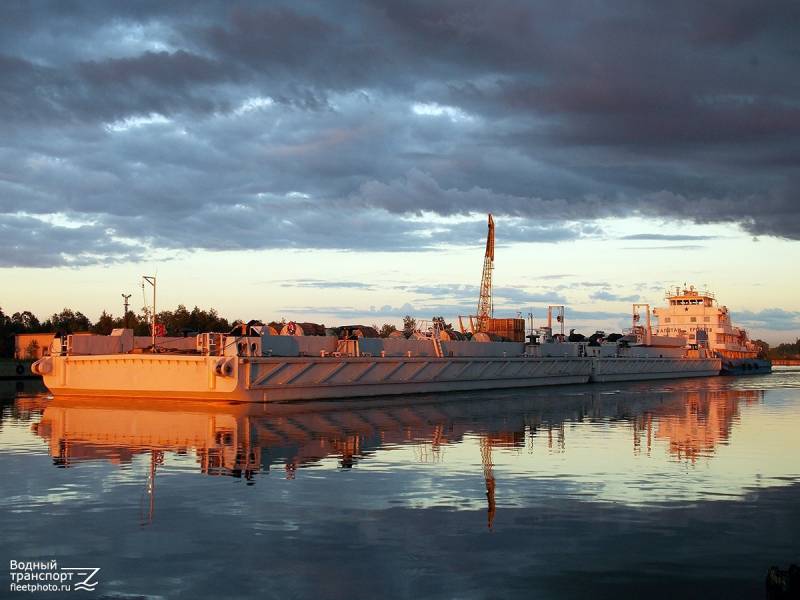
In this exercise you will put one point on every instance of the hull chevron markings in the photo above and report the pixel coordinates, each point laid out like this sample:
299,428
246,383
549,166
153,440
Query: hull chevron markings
268,374
464,367
393,371
418,371
365,371
483,367
303,370
442,368
330,375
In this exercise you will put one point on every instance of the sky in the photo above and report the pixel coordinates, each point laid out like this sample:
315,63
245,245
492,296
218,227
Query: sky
335,161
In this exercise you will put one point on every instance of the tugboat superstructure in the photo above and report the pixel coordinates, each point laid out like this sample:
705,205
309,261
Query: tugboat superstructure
697,316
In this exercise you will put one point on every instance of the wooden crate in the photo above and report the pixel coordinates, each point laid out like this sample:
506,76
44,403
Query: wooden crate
511,329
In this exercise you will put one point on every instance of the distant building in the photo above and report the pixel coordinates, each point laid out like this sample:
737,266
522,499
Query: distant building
32,346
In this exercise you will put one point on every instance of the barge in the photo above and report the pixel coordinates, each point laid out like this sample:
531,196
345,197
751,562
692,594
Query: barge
261,367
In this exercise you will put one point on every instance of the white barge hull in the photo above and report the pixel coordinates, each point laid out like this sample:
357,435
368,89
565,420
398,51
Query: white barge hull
281,379
271,379
640,369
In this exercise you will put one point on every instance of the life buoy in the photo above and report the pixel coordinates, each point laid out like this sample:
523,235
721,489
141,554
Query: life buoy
291,327
20,369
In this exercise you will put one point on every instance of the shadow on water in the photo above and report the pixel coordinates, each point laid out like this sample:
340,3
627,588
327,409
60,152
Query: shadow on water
619,490
11,388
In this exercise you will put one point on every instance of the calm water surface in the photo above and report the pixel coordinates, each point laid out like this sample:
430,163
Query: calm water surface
669,489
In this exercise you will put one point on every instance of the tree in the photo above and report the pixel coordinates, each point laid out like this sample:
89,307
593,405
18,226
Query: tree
786,350
25,321
6,341
32,351
69,321
409,324
104,324
386,330
181,321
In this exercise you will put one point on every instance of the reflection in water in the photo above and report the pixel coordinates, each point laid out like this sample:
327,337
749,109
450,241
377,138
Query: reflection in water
243,440
673,489
704,422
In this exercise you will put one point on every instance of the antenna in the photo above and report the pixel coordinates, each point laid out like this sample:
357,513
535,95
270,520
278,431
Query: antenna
125,298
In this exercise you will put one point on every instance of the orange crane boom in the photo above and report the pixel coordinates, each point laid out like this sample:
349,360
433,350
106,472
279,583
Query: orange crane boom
485,308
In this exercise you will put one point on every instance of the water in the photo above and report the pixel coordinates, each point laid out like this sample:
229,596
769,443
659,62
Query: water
665,489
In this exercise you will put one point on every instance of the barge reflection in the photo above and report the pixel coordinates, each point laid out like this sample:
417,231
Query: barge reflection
244,440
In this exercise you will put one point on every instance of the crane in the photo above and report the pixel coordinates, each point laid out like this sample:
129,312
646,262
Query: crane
488,476
485,308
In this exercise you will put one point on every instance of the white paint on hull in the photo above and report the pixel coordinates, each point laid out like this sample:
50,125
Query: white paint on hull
356,391
640,369
308,378
283,379
651,376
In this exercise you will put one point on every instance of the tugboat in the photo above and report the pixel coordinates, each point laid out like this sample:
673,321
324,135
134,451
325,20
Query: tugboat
698,316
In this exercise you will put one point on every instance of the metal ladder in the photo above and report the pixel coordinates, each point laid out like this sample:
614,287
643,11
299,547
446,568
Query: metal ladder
437,346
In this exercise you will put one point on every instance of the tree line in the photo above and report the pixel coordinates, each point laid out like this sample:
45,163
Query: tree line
180,321
177,322
787,350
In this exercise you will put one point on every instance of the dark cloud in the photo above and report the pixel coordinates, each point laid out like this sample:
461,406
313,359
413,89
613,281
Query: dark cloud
29,242
163,69
345,125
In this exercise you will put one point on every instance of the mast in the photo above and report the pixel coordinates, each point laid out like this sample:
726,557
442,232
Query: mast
125,298
485,308
151,279
648,328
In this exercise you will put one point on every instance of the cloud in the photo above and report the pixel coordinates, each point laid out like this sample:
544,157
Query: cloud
504,297
322,284
29,242
448,299
666,237
775,319
345,313
605,295
343,126
675,247
593,315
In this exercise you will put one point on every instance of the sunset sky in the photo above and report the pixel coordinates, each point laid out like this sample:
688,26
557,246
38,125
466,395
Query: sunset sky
335,161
